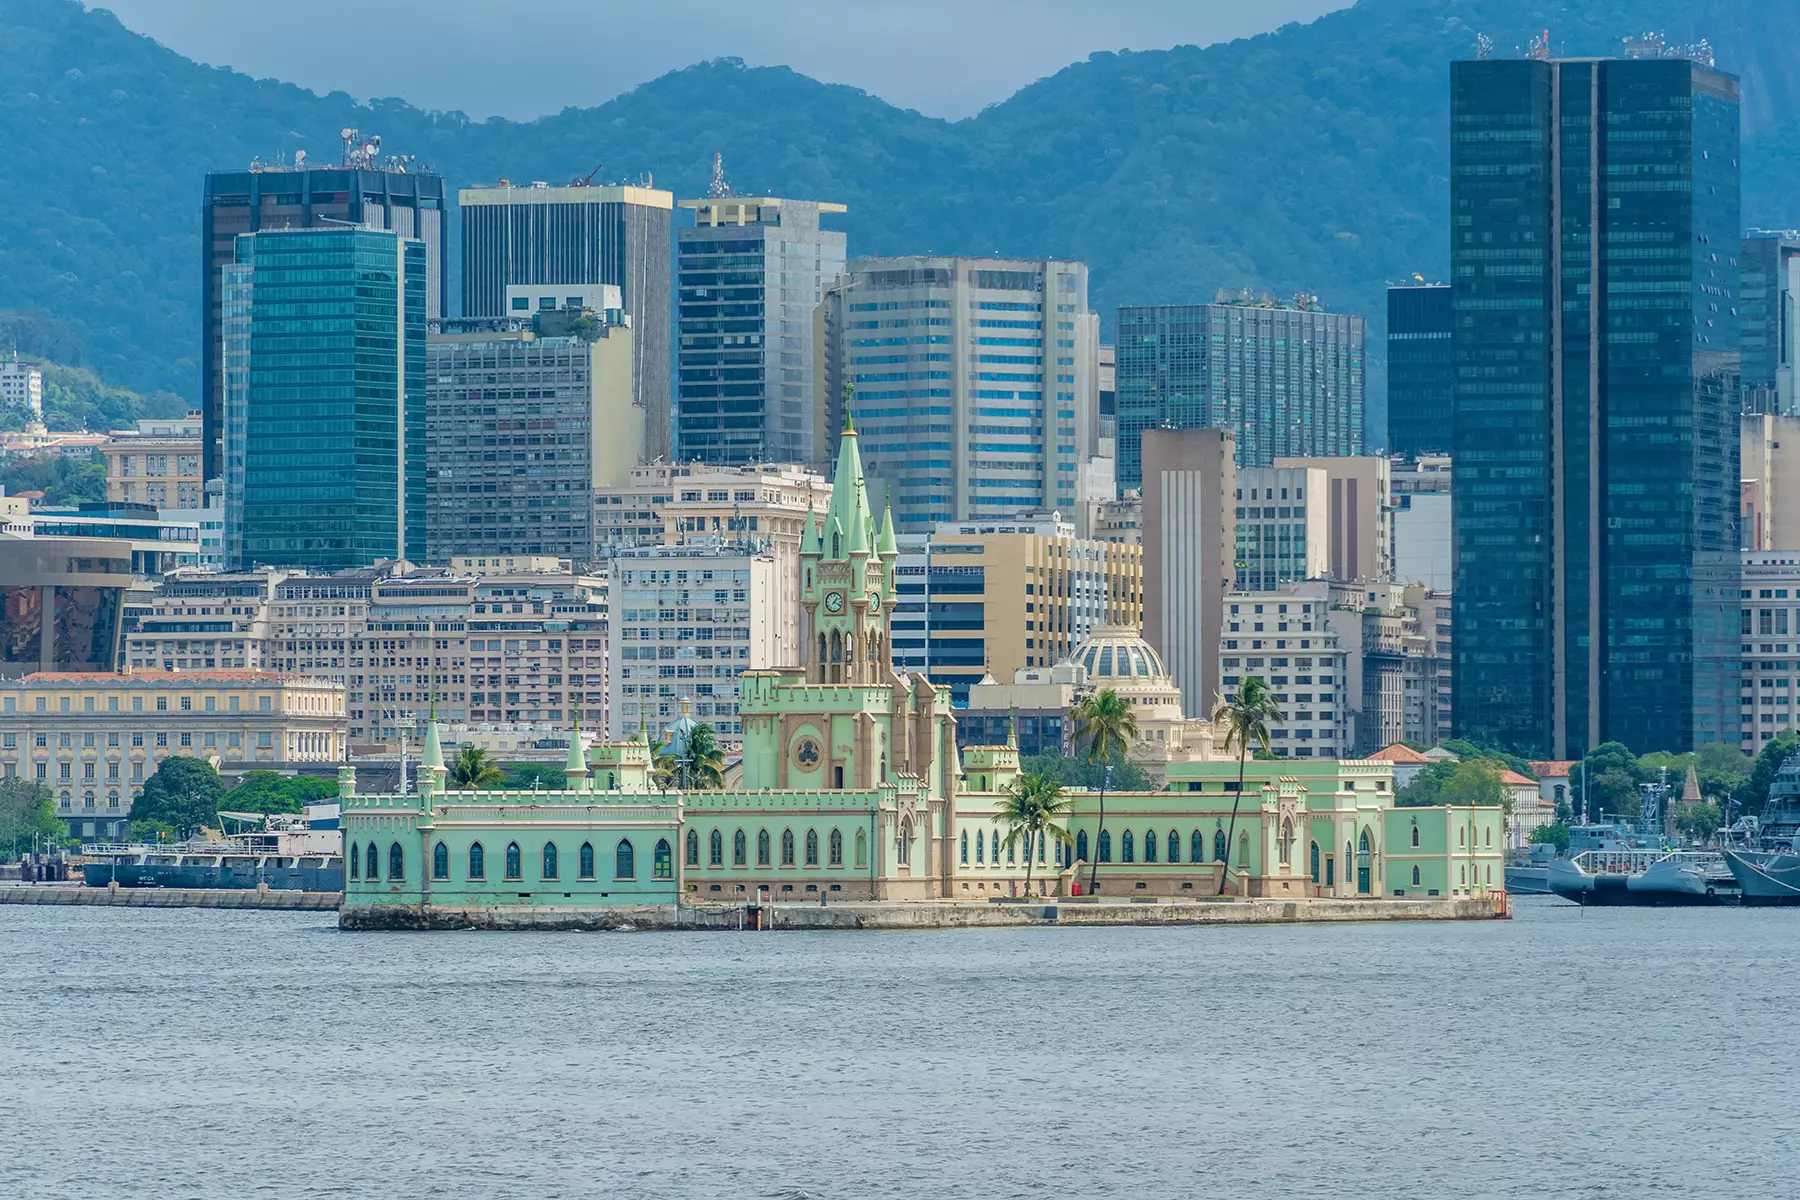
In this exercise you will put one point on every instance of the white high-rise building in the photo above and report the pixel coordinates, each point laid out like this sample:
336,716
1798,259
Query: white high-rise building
977,386
22,386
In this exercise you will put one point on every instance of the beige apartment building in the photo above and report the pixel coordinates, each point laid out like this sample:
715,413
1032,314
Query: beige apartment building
1005,595
1358,513
94,737
476,645
158,463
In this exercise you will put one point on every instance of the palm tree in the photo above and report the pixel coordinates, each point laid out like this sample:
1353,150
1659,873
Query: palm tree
472,769
1029,811
1106,725
702,764
1246,718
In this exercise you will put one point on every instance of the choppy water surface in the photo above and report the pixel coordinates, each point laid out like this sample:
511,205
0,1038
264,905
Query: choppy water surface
1625,1053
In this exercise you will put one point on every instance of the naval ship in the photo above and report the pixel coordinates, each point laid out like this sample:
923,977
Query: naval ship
285,853
1767,864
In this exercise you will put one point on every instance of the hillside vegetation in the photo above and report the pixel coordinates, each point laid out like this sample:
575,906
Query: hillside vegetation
1312,158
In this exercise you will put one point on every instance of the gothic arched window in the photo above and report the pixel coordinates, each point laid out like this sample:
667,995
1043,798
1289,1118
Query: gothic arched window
738,849
515,862
625,860
477,862
812,847
586,863
835,849
693,847
1150,845
1174,846
1081,846
762,847
440,861
787,847
1106,845
356,857
715,849
1126,847
396,862
662,860
551,866
965,854
1197,847
1218,845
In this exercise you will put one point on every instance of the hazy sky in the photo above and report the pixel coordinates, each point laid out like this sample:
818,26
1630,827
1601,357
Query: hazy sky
525,58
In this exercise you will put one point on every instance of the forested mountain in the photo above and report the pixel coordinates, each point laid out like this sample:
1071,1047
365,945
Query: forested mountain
1312,158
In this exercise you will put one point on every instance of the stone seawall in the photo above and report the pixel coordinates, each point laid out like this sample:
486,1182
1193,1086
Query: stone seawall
947,914
118,897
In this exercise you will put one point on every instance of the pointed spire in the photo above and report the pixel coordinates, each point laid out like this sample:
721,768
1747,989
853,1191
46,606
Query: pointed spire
887,544
433,754
1690,790
1012,733
849,515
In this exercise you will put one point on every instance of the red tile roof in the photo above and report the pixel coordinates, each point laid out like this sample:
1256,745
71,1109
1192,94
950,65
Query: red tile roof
1398,753
1557,768
1514,779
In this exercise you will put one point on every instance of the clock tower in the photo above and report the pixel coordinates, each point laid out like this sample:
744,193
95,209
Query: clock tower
847,580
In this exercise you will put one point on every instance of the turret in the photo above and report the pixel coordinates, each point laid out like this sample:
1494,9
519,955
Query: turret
431,762
576,770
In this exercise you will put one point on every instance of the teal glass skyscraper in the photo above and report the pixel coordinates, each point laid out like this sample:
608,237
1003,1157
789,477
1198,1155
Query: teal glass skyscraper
1594,260
324,364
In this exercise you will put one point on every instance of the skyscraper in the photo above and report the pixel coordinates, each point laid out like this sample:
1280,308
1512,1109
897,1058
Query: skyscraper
364,190
324,332
1594,252
1190,527
580,234
1771,326
752,272
1421,369
977,386
524,419
1286,378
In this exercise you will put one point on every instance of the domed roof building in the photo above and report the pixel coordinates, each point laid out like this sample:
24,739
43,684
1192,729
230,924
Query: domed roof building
1115,657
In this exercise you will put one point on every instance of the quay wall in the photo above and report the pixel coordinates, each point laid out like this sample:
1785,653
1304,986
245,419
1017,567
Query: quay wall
940,914
118,897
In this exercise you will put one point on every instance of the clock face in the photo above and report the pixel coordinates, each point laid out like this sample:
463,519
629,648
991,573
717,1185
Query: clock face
834,602
874,601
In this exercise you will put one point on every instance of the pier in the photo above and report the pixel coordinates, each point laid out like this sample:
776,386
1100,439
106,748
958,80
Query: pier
935,914
118,897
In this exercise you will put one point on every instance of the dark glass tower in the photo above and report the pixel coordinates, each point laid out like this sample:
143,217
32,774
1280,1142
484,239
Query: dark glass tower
1421,370
1594,253
751,272
325,387
407,202
1287,379
582,235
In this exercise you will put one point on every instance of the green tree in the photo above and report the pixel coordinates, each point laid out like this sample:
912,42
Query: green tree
529,777
1427,787
1246,718
1554,835
1476,781
702,761
1030,810
1488,749
1698,821
1073,772
182,796
473,770
273,792
1612,793
1723,771
27,819
1775,751
1105,724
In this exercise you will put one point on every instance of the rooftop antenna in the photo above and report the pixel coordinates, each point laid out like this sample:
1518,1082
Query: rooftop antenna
720,187
1484,46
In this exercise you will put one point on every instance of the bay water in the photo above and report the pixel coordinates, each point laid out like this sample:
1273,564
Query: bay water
1565,1053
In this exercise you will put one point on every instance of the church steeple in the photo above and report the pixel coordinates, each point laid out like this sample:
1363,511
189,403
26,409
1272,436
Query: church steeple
848,579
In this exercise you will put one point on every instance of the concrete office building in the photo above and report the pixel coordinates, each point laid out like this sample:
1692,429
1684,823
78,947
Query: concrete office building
1769,649
976,386
686,622
1284,638
1769,482
545,239
520,642
1769,262
364,190
61,602
1005,595
158,463
752,271
1283,527
521,427
1421,370
1286,378
324,441
1189,532
1597,492
1421,531
1358,513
